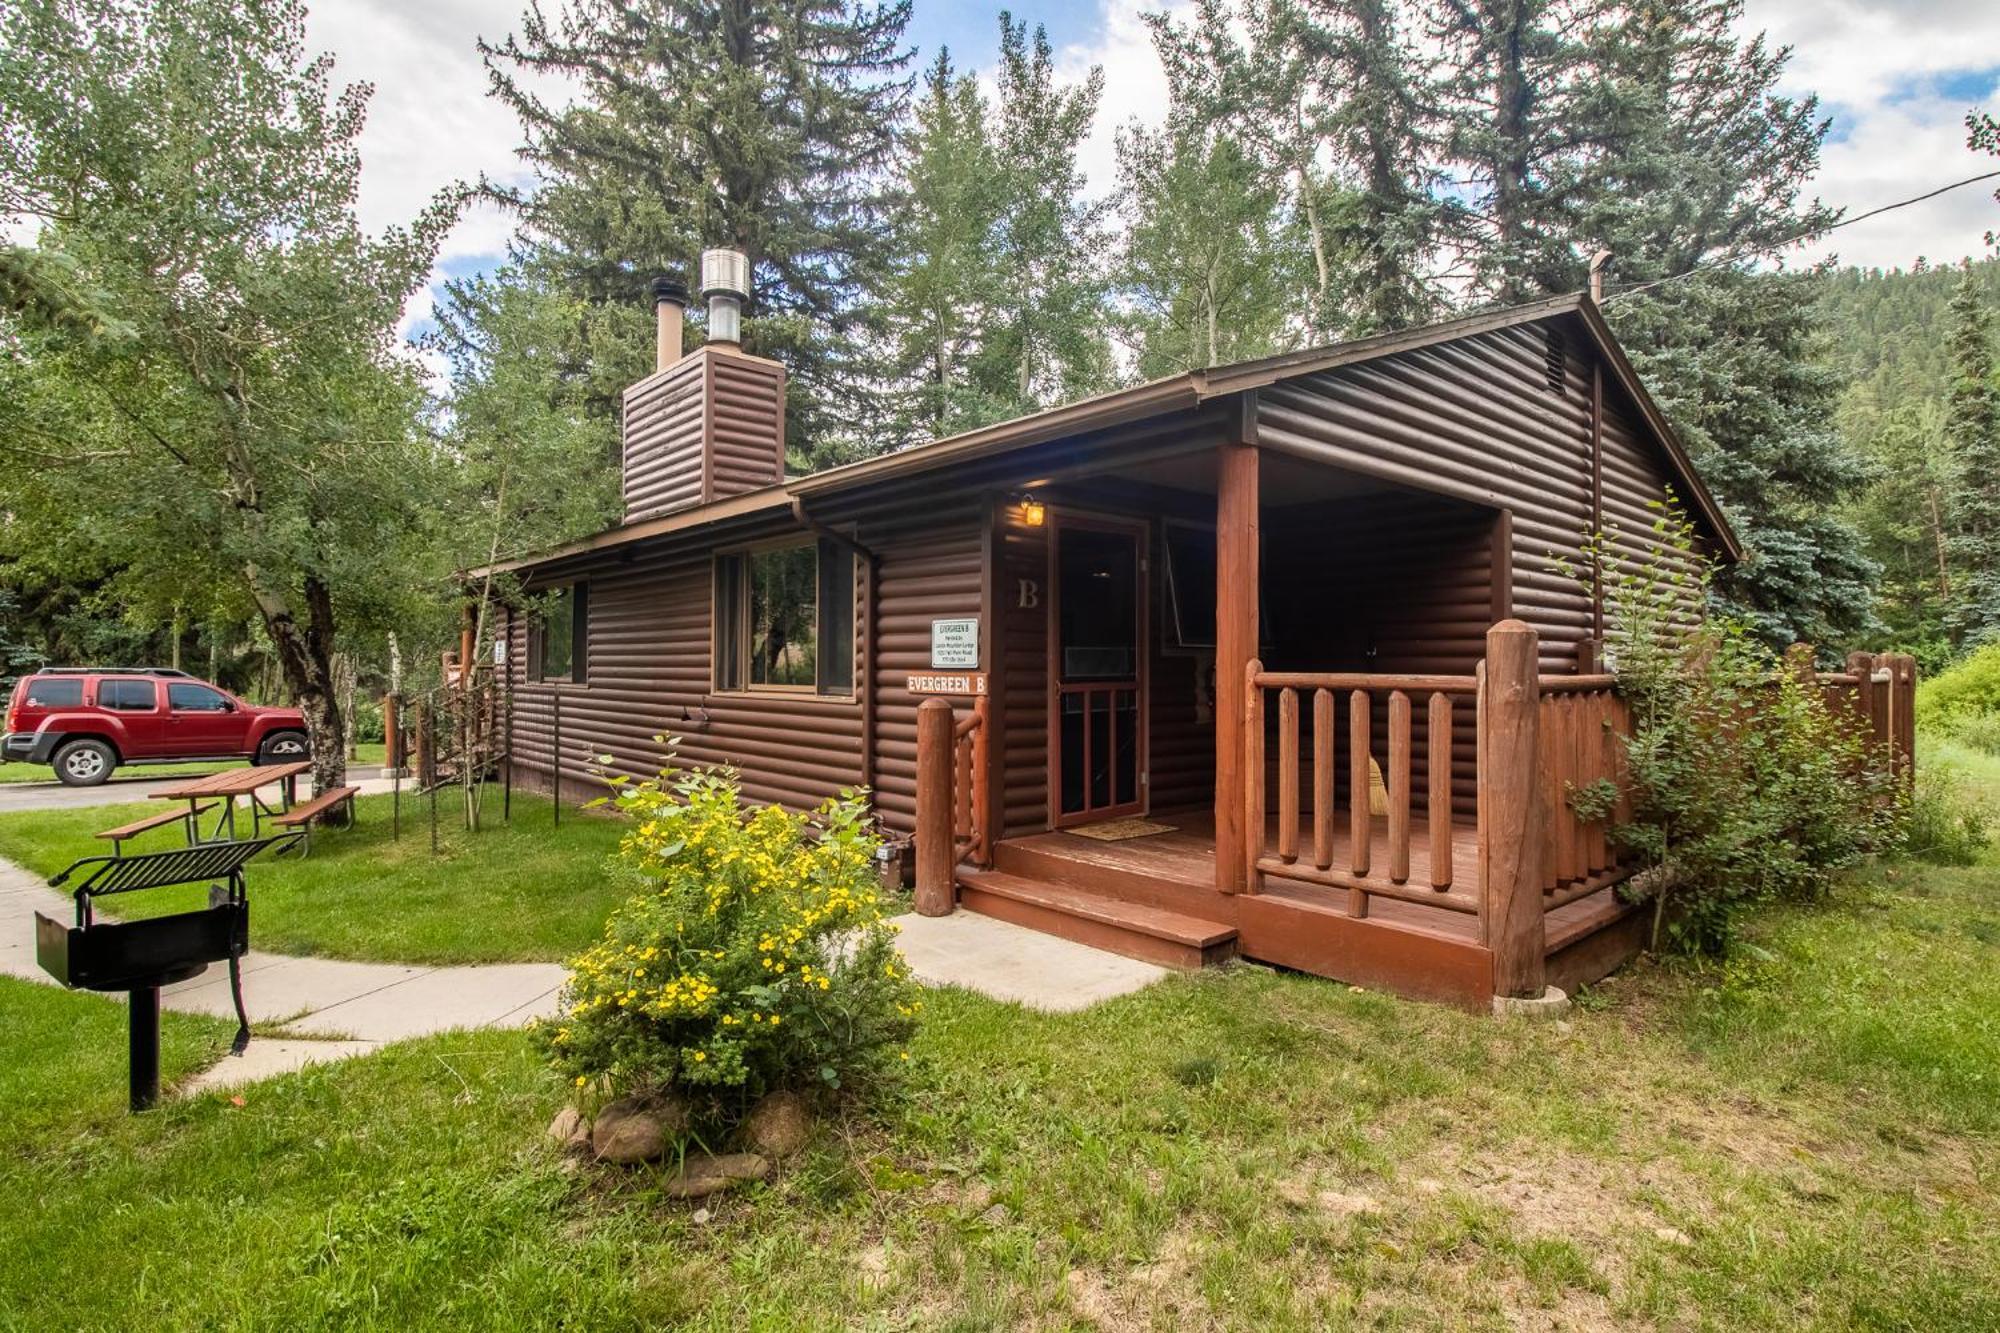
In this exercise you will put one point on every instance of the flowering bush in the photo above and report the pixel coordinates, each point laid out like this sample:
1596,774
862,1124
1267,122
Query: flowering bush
761,960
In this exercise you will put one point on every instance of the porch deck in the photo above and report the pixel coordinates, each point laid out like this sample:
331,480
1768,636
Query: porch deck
1154,897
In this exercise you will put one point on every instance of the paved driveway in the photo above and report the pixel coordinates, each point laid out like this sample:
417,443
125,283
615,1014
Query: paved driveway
122,790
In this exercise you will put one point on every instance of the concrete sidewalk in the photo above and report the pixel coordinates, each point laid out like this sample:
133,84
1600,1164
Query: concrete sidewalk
355,1006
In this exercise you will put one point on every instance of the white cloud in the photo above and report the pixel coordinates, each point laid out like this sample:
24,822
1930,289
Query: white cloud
1135,85
430,122
1877,69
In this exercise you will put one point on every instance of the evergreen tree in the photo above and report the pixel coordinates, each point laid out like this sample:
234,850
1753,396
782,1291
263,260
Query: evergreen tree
1519,127
1201,260
1700,168
944,281
1972,428
1045,340
756,124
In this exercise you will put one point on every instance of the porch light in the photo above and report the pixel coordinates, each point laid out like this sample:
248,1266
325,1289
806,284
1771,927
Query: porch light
1033,512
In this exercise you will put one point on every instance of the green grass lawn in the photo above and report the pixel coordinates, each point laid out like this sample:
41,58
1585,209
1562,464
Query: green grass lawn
1807,1138
370,754
514,892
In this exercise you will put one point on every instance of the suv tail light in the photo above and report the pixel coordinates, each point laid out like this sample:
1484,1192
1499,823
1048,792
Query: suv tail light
14,704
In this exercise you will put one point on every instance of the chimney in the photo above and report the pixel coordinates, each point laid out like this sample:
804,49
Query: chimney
725,285
670,298
708,423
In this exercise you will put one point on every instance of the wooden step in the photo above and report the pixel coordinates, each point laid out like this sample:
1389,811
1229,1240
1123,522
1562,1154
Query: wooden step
1136,930
1097,869
1592,937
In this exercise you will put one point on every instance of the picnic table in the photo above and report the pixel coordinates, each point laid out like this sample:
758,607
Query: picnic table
232,783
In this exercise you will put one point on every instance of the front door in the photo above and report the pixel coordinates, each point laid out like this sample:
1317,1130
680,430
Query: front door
1097,637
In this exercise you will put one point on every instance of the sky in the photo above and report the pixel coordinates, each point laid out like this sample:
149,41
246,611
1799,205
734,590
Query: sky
1895,76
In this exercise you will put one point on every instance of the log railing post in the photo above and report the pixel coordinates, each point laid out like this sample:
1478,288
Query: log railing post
1511,814
982,775
1903,717
1251,809
935,850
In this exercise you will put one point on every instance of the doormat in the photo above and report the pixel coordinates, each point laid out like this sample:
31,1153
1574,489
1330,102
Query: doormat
1118,830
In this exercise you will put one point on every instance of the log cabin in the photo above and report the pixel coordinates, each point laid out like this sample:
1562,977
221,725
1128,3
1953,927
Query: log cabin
1281,659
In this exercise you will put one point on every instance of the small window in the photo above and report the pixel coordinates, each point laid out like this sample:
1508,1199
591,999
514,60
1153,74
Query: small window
128,696
196,699
559,635
1190,586
54,692
785,619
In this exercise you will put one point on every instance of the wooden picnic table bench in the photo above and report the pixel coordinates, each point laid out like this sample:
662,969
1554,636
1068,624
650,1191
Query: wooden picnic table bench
117,836
301,817
234,782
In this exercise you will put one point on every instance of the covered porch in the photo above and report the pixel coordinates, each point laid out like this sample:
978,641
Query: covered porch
1201,658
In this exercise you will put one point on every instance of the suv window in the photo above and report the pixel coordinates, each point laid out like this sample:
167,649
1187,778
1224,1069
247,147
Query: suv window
127,696
196,699
54,692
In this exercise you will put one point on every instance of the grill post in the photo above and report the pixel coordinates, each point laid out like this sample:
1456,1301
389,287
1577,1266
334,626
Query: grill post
143,1021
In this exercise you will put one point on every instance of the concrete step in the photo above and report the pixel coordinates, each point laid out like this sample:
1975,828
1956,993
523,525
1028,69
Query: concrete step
1136,930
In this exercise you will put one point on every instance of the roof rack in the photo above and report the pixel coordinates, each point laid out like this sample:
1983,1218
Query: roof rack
112,671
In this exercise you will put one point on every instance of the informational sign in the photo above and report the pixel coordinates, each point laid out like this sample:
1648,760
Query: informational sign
948,682
955,644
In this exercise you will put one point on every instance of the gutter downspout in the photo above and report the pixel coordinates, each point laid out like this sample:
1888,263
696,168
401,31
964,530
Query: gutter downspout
870,580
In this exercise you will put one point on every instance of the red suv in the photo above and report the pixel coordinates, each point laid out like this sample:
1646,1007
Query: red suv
88,720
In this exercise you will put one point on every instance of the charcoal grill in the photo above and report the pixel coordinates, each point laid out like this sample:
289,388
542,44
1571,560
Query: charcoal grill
141,956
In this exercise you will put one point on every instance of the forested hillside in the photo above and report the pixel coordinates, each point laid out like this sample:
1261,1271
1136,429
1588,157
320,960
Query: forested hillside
1907,345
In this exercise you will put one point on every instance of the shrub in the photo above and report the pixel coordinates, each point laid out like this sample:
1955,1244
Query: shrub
1964,701
1944,824
1972,686
1744,785
761,959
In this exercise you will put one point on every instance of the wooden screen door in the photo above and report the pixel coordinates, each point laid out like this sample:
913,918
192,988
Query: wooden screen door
1097,668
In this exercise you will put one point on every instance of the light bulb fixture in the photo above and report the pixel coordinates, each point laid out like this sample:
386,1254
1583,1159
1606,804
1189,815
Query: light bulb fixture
1033,512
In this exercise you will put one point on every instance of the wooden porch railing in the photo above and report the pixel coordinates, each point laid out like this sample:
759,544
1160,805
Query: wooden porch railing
1356,870
952,798
1539,741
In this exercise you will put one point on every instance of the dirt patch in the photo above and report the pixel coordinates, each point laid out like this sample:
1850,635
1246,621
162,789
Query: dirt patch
1160,1294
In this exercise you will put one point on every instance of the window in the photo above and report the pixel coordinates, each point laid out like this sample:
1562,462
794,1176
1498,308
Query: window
53,692
785,619
1190,586
128,696
558,637
196,699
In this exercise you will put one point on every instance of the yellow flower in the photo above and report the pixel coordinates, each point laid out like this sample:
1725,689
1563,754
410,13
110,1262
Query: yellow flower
581,1080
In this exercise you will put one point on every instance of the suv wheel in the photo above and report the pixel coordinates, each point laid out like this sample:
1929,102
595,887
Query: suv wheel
283,747
84,763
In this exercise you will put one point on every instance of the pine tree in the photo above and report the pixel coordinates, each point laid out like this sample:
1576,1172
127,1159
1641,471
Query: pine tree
1700,168
1518,133
944,280
1201,259
1972,428
1045,341
756,124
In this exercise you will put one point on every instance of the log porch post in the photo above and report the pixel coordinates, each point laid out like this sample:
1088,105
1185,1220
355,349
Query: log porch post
1511,841
1236,543
935,875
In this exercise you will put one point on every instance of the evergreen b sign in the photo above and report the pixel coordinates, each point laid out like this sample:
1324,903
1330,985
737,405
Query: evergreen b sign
955,644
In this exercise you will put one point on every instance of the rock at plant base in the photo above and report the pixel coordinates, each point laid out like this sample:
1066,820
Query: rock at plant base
777,1127
637,1128
701,1176
570,1131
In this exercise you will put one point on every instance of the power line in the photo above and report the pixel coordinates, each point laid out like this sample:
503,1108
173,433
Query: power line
1802,236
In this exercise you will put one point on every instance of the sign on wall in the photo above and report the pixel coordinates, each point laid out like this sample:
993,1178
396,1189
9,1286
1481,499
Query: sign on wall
955,644
933,682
